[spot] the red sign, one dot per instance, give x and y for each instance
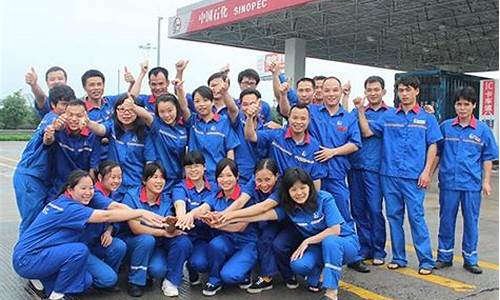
(230, 11)
(488, 106)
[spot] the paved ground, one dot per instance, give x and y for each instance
(381, 283)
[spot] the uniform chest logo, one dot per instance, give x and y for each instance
(134, 139)
(474, 138)
(317, 215)
(303, 153)
(418, 121)
(212, 128)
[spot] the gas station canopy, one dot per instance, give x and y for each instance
(455, 35)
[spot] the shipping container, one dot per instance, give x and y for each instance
(437, 88)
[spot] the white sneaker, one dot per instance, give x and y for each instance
(169, 289)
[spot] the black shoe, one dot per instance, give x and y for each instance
(359, 266)
(194, 278)
(292, 283)
(210, 289)
(135, 290)
(246, 283)
(260, 285)
(474, 269)
(443, 264)
(32, 289)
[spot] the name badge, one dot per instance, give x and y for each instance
(420, 122)
(474, 138)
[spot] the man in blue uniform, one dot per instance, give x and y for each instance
(466, 154)
(53, 77)
(409, 148)
(364, 177)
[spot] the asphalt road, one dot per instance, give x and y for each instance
(381, 283)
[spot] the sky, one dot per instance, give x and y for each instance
(89, 34)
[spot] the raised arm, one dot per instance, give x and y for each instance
(181, 96)
(31, 79)
(283, 101)
(250, 132)
(136, 87)
(139, 110)
(366, 132)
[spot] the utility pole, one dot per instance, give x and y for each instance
(158, 42)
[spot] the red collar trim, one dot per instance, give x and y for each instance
(144, 197)
(415, 109)
(215, 117)
(236, 193)
(67, 194)
(472, 123)
(307, 137)
(190, 184)
(84, 132)
(152, 99)
(382, 105)
(100, 187)
(90, 106)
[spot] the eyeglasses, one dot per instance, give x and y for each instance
(124, 110)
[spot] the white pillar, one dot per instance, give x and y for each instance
(295, 59)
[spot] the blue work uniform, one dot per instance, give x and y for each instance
(50, 249)
(213, 139)
(103, 262)
(170, 145)
(334, 251)
(406, 137)
(366, 191)
(462, 152)
(288, 154)
(73, 151)
(41, 112)
(232, 254)
(267, 230)
(148, 102)
(32, 177)
(201, 234)
(100, 115)
(247, 154)
(131, 153)
(333, 131)
(160, 257)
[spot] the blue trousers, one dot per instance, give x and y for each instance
(470, 203)
(267, 233)
(285, 243)
(31, 197)
(169, 257)
(328, 257)
(366, 208)
(140, 249)
(104, 262)
(230, 263)
(398, 193)
(198, 261)
(61, 268)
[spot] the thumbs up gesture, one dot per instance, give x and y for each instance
(31, 77)
(127, 76)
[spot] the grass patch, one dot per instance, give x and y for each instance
(4, 137)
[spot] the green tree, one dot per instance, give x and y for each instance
(15, 112)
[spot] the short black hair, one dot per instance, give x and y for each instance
(408, 81)
(373, 79)
(106, 166)
(77, 102)
(205, 92)
(466, 93)
(156, 70)
(221, 75)
(61, 93)
(55, 69)
(250, 91)
(249, 73)
(306, 79)
(291, 176)
(300, 106)
(192, 158)
(73, 179)
(319, 77)
(169, 98)
(226, 162)
(150, 169)
(92, 73)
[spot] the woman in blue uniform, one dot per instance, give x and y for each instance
(129, 144)
(49, 250)
(209, 132)
(187, 196)
(261, 192)
(327, 242)
(233, 252)
(167, 132)
(157, 251)
(106, 250)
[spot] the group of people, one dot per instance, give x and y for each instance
(204, 181)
